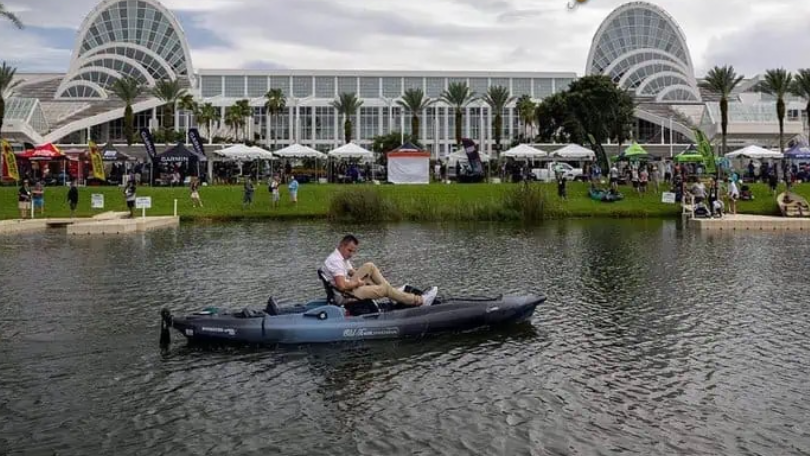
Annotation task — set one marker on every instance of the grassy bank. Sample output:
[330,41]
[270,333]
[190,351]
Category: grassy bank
[435,202]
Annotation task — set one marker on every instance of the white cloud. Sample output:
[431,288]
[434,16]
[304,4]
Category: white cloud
[529,35]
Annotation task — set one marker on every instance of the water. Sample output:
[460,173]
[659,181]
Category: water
[654,340]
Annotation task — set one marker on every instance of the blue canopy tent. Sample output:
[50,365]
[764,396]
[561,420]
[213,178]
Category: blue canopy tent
[798,152]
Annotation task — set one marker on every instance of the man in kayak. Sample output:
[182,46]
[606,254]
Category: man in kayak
[367,282]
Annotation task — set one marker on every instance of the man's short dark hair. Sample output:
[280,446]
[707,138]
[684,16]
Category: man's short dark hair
[349,239]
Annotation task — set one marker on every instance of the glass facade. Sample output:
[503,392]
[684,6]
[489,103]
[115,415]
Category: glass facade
[641,48]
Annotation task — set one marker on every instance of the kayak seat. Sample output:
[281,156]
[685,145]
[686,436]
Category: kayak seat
[272,306]
[353,305]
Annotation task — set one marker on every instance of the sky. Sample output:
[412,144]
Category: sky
[500,35]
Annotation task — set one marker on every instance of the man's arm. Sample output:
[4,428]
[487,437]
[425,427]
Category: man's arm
[346,284]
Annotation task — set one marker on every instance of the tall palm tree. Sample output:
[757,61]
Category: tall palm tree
[245,111]
[128,89]
[801,88]
[777,83]
[170,92]
[6,77]
[497,97]
[722,80]
[233,120]
[10,16]
[415,101]
[274,105]
[206,114]
[187,104]
[347,105]
[526,109]
[458,95]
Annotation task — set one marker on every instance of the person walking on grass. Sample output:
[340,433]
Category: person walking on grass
[293,189]
[73,197]
[274,190]
[247,199]
[129,194]
[24,199]
[39,197]
[195,192]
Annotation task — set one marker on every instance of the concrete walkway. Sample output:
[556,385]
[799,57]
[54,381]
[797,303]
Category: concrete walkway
[745,222]
[104,223]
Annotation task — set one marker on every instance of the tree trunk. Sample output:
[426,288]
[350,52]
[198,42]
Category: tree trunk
[129,125]
[347,129]
[415,127]
[458,125]
[780,113]
[497,126]
[3,111]
[724,121]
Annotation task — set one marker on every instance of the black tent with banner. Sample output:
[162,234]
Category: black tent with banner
[180,155]
[110,153]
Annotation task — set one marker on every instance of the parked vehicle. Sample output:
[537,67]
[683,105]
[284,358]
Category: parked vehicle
[547,174]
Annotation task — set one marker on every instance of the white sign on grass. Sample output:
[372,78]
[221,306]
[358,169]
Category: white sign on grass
[668,197]
[97,201]
[143,202]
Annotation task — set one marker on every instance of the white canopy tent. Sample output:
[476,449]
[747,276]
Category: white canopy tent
[462,157]
[754,152]
[574,152]
[351,150]
[243,152]
[525,151]
[298,151]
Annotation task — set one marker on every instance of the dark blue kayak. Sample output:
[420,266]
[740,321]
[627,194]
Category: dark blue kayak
[321,321]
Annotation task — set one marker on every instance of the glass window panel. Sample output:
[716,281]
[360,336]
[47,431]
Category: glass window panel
[369,87]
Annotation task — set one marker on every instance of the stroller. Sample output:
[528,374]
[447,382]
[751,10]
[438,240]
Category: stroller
[745,193]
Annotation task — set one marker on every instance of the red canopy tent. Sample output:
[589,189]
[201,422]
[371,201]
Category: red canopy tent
[45,152]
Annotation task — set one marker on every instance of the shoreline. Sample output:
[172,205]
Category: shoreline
[389,203]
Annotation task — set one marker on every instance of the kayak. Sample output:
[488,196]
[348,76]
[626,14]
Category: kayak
[321,321]
[605,196]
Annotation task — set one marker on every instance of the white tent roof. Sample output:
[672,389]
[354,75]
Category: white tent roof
[462,156]
[298,151]
[574,151]
[754,152]
[243,152]
[524,151]
[351,150]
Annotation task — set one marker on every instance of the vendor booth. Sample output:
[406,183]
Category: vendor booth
[409,165]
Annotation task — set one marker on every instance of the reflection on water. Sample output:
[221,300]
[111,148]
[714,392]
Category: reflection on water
[654,340]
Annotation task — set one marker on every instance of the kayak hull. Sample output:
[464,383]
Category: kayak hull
[318,322]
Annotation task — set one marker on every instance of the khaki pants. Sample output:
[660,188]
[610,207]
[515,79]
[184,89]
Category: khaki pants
[378,287]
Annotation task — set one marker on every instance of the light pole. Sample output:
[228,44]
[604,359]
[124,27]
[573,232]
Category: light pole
[670,137]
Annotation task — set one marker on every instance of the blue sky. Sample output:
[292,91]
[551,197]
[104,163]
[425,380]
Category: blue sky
[515,35]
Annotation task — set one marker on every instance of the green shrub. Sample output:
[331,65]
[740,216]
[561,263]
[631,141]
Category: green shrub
[526,200]
[361,204]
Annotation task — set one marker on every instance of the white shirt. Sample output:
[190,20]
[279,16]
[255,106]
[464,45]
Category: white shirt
[335,266]
[732,189]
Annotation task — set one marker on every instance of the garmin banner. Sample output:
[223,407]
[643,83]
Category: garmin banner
[149,143]
[196,141]
[471,149]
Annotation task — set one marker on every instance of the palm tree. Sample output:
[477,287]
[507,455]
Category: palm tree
[205,115]
[6,77]
[245,111]
[458,95]
[526,109]
[233,120]
[170,92]
[128,89]
[801,88]
[777,83]
[347,105]
[10,16]
[276,104]
[722,80]
[497,98]
[415,101]
[187,104]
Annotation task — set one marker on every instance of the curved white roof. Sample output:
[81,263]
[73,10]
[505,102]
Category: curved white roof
[641,48]
[138,38]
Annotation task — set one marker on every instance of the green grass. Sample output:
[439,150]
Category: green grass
[435,202]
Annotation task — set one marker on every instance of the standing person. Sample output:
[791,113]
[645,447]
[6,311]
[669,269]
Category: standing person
[73,197]
[195,192]
[39,197]
[561,187]
[437,171]
[129,194]
[733,196]
[293,188]
[614,177]
[274,190]
[247,199]
[24,199]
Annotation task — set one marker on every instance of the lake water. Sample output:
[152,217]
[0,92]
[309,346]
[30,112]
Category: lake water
[654,340]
